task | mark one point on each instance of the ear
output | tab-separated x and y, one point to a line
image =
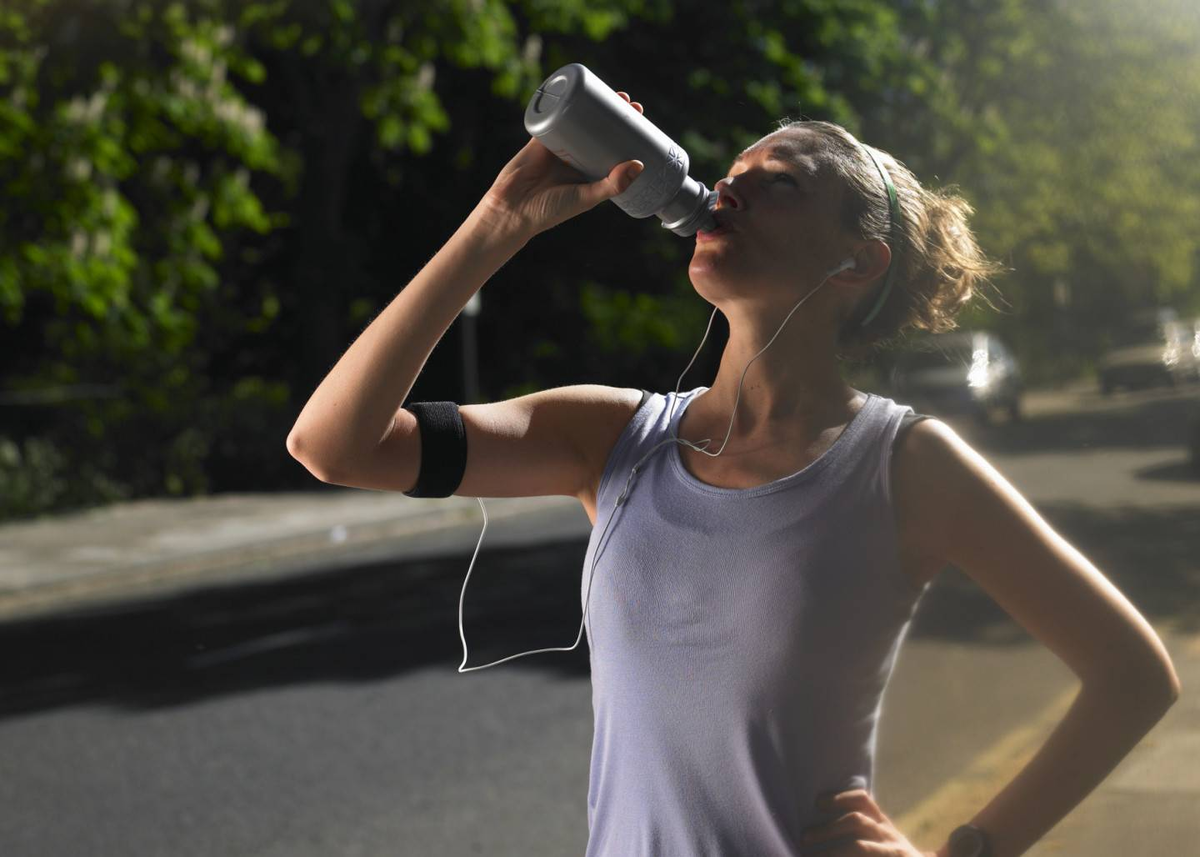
859	283
873	258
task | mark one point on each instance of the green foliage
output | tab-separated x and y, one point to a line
633	323
31	477
1085	132
122	132
207	199
39	476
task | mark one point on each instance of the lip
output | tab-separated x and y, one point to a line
702	236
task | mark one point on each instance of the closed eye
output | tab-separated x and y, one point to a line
775	175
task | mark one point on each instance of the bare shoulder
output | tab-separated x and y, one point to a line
608	412
600	414
931	465
612	403
588	417
943	488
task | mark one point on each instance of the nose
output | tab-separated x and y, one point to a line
727	197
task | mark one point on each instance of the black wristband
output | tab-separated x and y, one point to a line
443	448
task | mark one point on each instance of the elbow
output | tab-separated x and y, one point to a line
1152	684
295	446
1159	693
1167	691
1170	694
1176	687
1173	686
297	449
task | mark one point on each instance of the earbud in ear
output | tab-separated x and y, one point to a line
845	264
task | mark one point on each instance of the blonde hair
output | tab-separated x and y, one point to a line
941	266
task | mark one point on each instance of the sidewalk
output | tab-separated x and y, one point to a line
159	547
151	548
1147	805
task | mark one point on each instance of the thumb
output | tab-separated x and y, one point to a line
616	182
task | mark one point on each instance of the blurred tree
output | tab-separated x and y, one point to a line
1078	139
126	156
207	200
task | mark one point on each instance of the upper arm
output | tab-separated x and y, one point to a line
967	514
540	444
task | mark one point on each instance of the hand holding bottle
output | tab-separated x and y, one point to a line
536	190
593	128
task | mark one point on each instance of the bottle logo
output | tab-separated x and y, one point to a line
655	193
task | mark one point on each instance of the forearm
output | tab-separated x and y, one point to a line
1098	731
352	409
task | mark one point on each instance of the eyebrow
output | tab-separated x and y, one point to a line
788	154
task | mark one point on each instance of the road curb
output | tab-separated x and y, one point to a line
336	546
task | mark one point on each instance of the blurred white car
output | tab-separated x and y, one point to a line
961	372
1153	348
1184	337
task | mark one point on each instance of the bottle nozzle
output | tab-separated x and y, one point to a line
696	203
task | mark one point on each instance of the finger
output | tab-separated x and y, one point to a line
637	105
616	182
858	848
851	800
854	826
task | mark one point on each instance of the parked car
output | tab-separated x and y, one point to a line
963	371
1186	335
1153	348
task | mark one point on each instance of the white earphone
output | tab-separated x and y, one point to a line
702	446
845	264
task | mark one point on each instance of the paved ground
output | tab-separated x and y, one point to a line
151	548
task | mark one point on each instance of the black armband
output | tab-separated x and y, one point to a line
443	448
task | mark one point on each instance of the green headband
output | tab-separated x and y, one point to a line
894	205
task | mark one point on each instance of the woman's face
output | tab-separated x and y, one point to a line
781	206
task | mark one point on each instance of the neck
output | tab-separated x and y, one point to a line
795	385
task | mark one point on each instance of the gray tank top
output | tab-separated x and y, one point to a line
740	641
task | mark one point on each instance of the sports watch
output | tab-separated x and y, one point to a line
970	841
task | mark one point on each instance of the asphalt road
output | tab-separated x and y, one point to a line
324	715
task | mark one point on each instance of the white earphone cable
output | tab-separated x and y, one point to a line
463	668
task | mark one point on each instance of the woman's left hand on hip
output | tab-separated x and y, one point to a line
855	814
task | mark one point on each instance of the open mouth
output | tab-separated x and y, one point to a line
701	235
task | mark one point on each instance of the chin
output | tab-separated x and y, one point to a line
715	279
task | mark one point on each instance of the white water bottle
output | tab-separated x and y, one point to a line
583	121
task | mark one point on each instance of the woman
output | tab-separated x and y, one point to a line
765	567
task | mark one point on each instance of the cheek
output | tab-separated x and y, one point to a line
790	238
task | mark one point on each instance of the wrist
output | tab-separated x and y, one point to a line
496	224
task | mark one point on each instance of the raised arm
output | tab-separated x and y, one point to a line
354	409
